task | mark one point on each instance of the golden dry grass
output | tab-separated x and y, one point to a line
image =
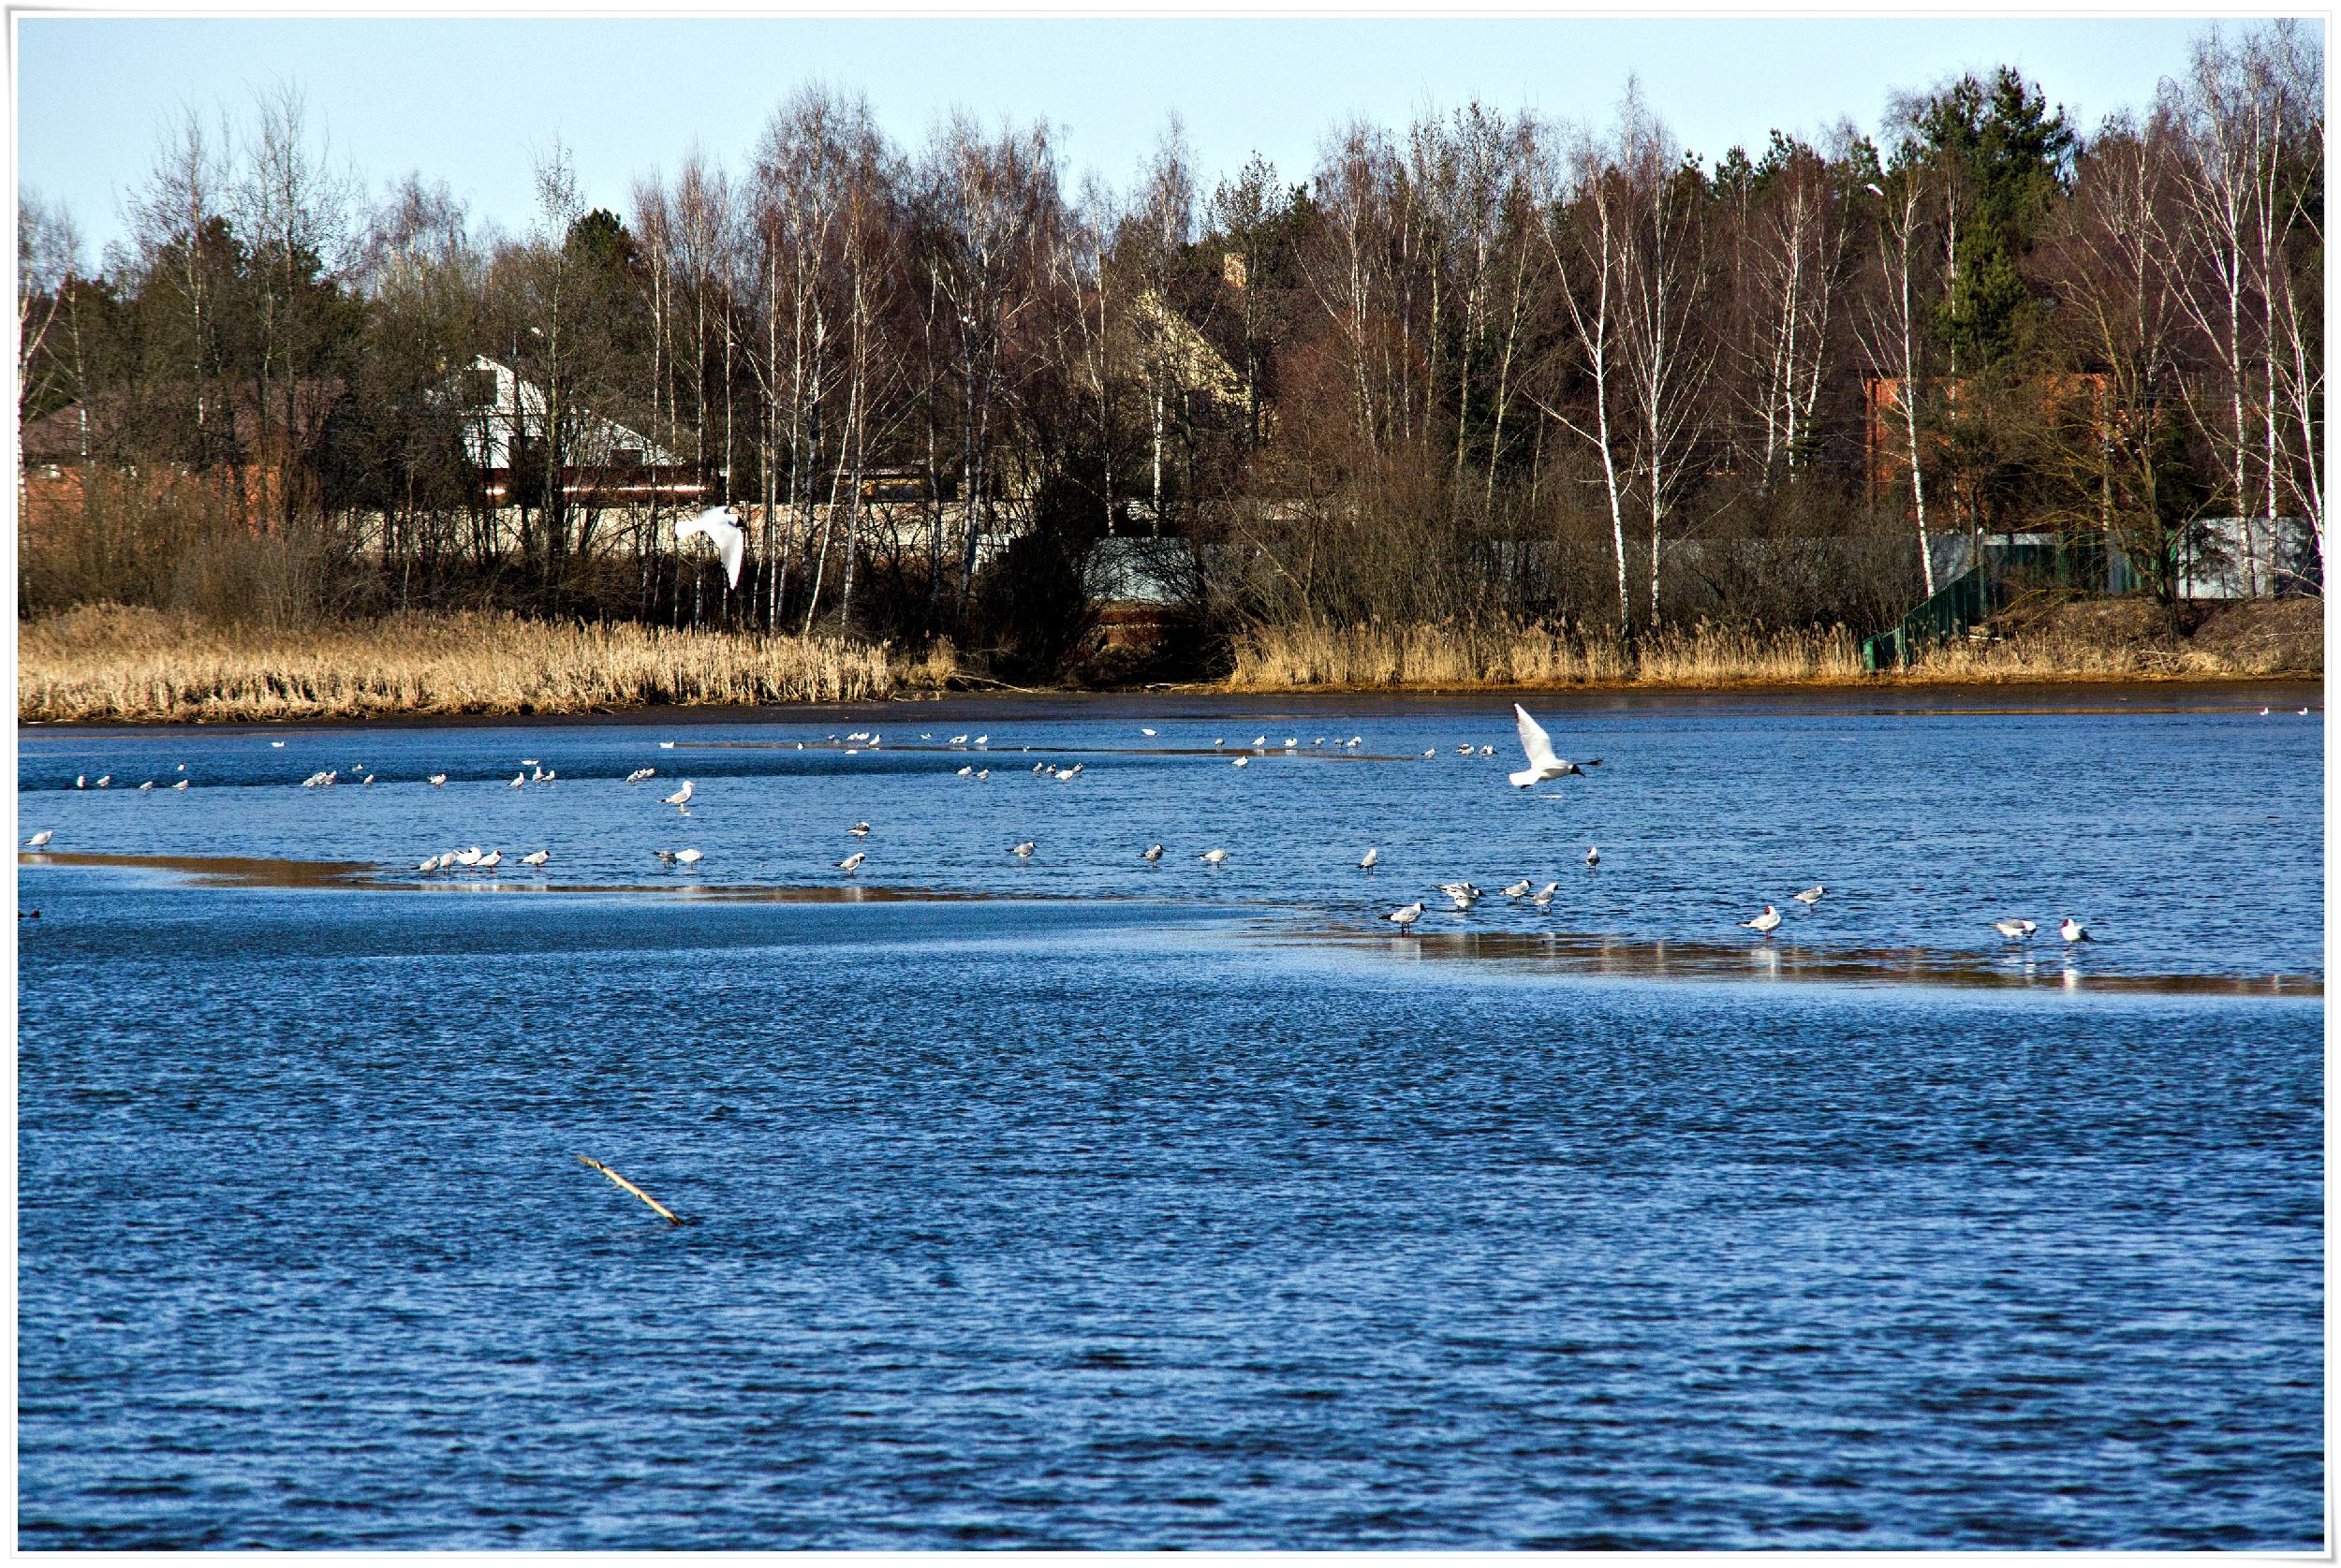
1464	658
2090	640
108	663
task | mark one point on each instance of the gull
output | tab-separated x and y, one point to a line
183	783
721	526
430	863
1290	742
40	838
1462	751
1542	764
1459	889
687	857
1763	923
959	739
104	779
1593	856
491	861
1066	777
1811	896
964	771
1430	754
80	781
1406	914
1544	899
681	797
664	1212
2071	930
1044	767
983	772
665	854
1355	741
436	780
1259	739
2264	712
518	779
1024	851
182	767
1243	762
536	857
538	777
1519	889
2303	712
666	745
278	744
1218	740
2015	931
147	786
982	739
1075	769
1372	859
1463	903
852	863
1487	751
467	856
640	774
1145	732
859	829
1211	856
1153	852
528	762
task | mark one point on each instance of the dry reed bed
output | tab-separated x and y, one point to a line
106	663
1463	658
2279	640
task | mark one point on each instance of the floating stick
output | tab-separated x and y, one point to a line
664	1212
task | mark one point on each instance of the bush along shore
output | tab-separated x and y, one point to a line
105	664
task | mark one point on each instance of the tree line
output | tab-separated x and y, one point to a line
1485	365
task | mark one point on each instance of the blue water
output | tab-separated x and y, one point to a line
1146	1220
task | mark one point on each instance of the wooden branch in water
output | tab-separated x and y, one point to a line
665	1214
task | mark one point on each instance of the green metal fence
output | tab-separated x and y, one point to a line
1968	600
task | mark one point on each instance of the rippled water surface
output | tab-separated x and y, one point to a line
1101	1204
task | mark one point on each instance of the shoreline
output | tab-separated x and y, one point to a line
2028	693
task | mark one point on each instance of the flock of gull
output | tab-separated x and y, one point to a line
1543	764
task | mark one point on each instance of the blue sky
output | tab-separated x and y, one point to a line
467	100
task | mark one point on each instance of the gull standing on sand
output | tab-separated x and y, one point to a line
1373	858
1763	925
1406	914
1542	763
2072	930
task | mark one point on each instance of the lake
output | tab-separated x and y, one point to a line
1081	1201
